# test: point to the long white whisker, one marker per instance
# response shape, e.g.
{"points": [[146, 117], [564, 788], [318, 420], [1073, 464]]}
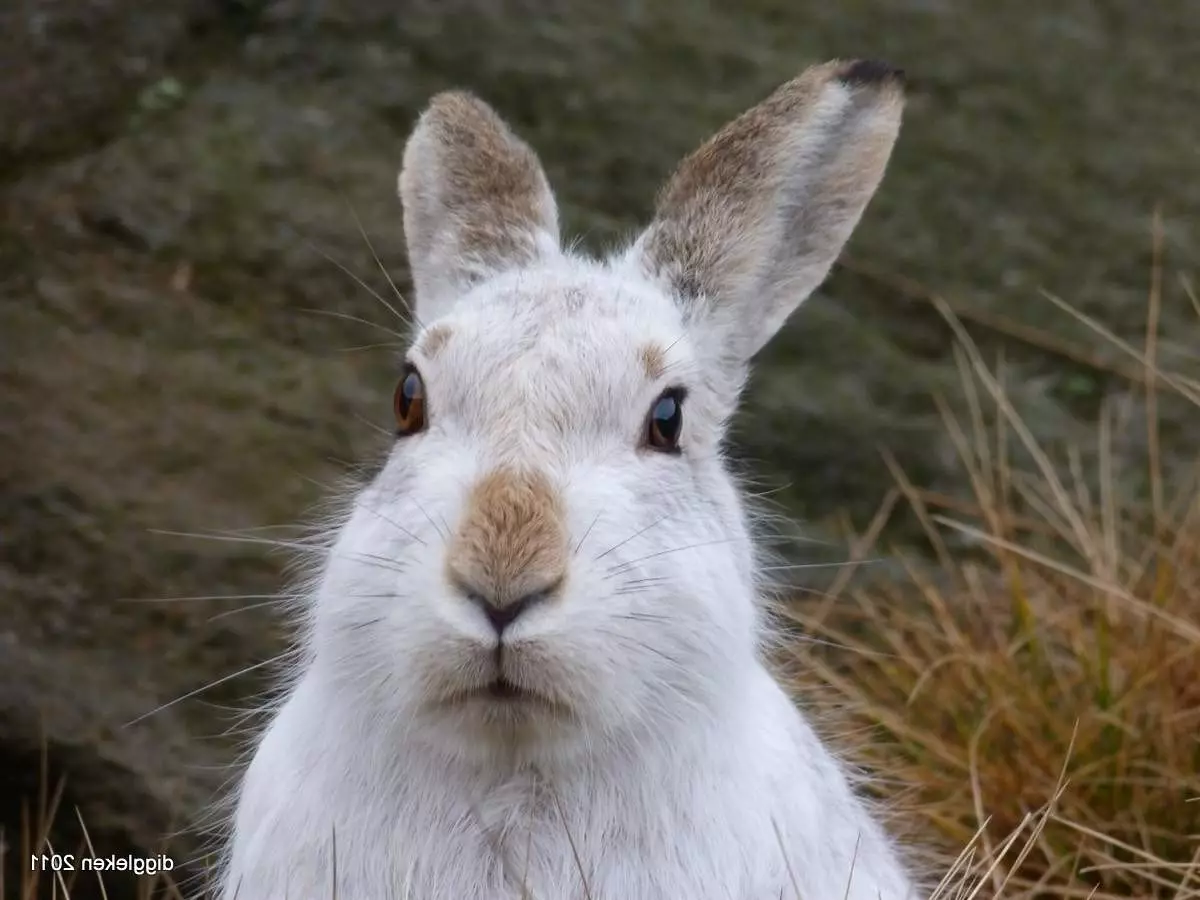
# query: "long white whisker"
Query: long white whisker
{"points": [[636, 534], [241, 609], [373, 426], [393, 345], [242, 539], [359, 280], [625, 567], [201, 597], [349, 318], [828, 565], [382, 268], [209, 686]]}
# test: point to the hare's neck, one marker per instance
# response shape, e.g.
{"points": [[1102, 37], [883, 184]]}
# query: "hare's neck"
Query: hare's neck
{"points": [[325, 770], [616, 780], [634, 797]]}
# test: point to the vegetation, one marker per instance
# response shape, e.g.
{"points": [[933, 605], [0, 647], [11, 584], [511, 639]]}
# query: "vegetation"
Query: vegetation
{"points": [[1036, 701]]}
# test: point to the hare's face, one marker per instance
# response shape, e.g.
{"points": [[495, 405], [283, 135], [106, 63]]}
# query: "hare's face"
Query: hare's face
{"points": [[553, 554], [555, 550]]}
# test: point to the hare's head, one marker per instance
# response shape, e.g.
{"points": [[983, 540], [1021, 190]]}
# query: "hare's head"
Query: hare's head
{"points": [[554, 554]]}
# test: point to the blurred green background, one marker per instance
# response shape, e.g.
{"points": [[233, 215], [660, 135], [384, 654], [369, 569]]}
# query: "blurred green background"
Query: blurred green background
{"points": [[179, 188]]}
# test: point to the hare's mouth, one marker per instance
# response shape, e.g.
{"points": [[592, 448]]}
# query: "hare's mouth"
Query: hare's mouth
{"points": [[501, 692], [508, 693], [502, 689]]}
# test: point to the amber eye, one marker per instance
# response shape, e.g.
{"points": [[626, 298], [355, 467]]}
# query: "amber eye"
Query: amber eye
{"points": [[409, 403], [666, 421]]}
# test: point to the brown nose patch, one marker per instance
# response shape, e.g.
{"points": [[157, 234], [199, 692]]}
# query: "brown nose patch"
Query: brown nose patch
{"points": [[512, 540]]}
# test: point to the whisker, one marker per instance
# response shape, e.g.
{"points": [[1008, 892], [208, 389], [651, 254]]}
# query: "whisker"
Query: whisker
{"points": [[382, 268], [625, 567], [373, 559], [349, 318], [638, 586], [849, 648], [284, 526], [649, 648], [370, 290], [829, 565], [631, 591], [200, 597], [632, 536], [364, 558], [396, 524], [645, 617], [671, 346], [241, 539], [209, 686], [579, 546], [394, 345], [372, 425], [646, 579], [770, 491], [241, 609], [441, 533]]}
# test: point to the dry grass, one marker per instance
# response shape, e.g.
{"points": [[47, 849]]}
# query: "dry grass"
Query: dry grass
{"points": [[50, 878], [1035, 694]]}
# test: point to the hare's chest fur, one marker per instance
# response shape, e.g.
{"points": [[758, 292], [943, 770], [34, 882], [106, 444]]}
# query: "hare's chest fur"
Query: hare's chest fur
{"points": [[707, 823]]}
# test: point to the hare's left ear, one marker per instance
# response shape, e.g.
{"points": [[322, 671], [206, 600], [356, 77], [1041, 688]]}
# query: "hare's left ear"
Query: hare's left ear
{"points": [[476, 201], [751, 223]]}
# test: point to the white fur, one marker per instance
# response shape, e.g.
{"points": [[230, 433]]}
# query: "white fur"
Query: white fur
{"points": [[683, 771]]}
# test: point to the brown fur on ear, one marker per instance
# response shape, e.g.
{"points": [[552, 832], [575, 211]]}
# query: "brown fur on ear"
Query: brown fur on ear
{"points": [[752, 221], [476, 200]]}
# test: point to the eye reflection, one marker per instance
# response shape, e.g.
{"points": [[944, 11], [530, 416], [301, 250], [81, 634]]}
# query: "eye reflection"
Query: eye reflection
{"points": [[666, 422], [409, 403]]}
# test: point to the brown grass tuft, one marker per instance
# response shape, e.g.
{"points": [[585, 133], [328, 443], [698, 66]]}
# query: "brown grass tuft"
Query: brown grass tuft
{"points": [[1035, 694]]}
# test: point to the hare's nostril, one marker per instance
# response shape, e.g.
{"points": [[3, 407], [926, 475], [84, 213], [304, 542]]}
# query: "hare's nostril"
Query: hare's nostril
{"points": [[504, 613]]}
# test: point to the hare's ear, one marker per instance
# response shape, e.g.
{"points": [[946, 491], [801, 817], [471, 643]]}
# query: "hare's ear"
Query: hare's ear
{"points": [[476, 201], [751, 223]]}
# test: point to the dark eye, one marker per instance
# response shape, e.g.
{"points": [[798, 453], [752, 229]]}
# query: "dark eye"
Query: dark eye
{"points": [[666, 422], [409, 403]]}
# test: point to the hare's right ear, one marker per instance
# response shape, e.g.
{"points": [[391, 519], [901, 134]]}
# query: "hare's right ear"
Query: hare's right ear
{"points": [[476, 201], [751, 223]]}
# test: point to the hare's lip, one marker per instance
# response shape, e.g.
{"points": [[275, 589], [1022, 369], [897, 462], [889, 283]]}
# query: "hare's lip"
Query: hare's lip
{"points": [[501, 690]]}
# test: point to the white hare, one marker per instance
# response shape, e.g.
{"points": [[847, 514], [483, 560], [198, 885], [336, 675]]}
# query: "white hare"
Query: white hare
{"points": [[532, 661]]}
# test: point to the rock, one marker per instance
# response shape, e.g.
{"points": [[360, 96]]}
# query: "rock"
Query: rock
{"points": [[73, 70]]}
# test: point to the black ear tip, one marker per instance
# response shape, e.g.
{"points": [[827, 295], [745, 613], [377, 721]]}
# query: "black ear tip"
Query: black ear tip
{"points": [[870, 73]]}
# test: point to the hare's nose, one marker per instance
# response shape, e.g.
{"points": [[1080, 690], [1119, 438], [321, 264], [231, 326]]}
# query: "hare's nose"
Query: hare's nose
{"points": [[501, 615]]}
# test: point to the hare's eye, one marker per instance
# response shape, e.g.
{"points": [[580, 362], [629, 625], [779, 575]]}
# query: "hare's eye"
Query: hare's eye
{"points": [[409, 403], [666, 422]]}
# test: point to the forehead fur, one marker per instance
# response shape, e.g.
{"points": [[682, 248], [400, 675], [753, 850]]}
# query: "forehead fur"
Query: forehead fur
{"points": [[568, 352], [573, 304], [433, 339]]}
